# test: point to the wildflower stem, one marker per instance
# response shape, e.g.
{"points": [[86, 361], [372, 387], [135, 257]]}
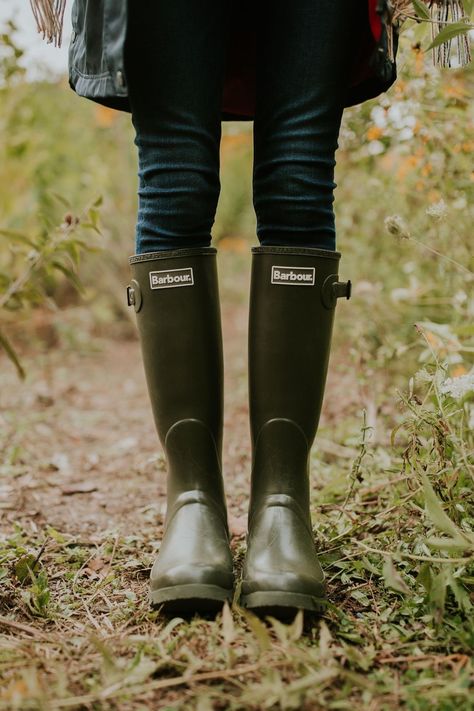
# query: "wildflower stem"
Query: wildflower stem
{"points": [[460, 266]]}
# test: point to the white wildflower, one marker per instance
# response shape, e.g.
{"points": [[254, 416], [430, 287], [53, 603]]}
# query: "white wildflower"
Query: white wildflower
{"points": [[379, 116], [375, 148], [458, 387], [423, 376], [405, 134], [437, 209]]}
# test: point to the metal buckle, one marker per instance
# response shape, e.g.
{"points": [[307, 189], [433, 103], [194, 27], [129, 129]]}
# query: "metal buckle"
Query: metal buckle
{"points": [[134, 295], [130, 295]]}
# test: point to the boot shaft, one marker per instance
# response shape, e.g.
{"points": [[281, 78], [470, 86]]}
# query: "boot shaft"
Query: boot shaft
{"points": [[176, 296], [292, 295]]}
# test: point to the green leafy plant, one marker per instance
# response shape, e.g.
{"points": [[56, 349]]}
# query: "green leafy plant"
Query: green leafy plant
{"points": [[33, 263], [36, 254]]}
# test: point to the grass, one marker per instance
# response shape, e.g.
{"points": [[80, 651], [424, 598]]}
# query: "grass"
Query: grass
{"points": [[93, 643]]}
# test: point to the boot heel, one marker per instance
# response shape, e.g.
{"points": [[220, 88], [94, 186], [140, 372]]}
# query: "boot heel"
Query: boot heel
{"points": [[189, 598]]}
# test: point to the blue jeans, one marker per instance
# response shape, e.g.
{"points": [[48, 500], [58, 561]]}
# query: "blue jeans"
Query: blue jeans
{"points": [[175, 64]]}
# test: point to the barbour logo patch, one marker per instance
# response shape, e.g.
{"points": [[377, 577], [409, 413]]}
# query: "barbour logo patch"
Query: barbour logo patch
{"points": [[166, 278], [293, 275]]}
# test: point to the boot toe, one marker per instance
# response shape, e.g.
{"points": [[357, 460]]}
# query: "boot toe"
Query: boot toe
{"points": [[190, 586], [282, 594], [284, 581]]}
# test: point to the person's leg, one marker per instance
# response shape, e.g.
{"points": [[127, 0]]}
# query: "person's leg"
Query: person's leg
{"points": [[304, 48], [303, 62], [175, 63]]}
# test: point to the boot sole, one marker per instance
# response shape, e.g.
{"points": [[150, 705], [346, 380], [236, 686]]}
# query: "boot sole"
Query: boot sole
{"points": [[190, 598], [282, 604]]}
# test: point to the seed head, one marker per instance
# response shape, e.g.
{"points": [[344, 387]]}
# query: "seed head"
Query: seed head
{"points": [[396, 226]]}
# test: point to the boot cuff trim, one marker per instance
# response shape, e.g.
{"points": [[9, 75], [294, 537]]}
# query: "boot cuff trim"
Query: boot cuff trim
{"points": [[309, 251], [170, 253]]}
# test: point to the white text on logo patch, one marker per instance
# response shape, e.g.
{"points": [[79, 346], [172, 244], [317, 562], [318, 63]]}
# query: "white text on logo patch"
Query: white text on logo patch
{"points": [[171, 277], [293, 275]]}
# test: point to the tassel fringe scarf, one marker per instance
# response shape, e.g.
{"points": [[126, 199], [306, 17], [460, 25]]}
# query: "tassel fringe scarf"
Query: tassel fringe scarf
{"points": [[49, 17]]}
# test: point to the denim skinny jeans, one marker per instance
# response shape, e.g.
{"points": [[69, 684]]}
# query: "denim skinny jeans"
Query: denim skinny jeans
{"points": [[175, 64]]}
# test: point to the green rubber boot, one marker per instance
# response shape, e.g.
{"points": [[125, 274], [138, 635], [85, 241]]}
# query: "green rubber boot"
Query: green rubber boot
{"points": [[293, 293], [176, 297]]}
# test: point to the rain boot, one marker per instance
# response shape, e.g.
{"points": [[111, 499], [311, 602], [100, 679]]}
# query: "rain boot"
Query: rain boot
{"points": [[293, 293], [176, 298]]}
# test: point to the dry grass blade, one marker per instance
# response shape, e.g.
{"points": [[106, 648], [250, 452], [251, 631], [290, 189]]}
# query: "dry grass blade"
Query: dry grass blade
{"points": [[22, 627]]}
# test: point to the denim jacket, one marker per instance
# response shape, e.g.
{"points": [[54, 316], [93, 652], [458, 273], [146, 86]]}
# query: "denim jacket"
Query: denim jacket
{"points": [[96, 59]]}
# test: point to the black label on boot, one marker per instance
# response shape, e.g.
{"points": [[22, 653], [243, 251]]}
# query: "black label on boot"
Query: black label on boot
{"points": [[166, 278], [293, 275]]}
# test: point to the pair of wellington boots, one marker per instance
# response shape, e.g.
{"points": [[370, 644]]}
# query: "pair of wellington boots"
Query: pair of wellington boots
{"points": [[293, 294]]}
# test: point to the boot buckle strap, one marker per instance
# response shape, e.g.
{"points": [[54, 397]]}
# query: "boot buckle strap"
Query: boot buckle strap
{"points": [[332, 290], [343, 288], [134, 295]]}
